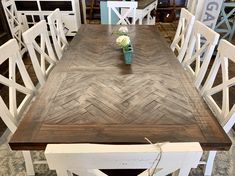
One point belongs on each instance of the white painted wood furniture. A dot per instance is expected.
(57, 32)
(128, 14)
(87, 159)
(195, 7)
(40, 50)
(199, 52)
(40, 9)
(226, 113)
(12, 114)
(143, 16)
(183, 32)
(15, 22)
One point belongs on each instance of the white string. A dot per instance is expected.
(158, 158)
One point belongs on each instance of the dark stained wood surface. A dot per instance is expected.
(91, 96)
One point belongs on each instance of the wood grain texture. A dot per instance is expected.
(91, 96)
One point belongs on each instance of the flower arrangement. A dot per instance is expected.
(124, 42)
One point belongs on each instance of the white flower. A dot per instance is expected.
(123, 29)
(123, 41)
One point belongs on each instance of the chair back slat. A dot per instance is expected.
(199, 53)
(183, 32)
(124, 10)
(9, 114)
(40, 50)
(15, 22)
(225, 56)
(225, 113)
(57, 32)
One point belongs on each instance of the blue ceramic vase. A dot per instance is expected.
(128, 54)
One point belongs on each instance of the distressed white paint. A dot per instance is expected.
(87, 159)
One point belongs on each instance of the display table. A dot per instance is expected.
(91, 96)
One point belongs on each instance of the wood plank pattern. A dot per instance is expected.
(92, 97)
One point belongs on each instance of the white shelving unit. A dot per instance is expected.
(33, 11)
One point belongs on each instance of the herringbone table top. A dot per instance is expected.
(92, 96)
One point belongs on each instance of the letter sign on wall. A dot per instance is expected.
(211, 11)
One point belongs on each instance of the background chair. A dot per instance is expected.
(40, 50)
(145, 16)
(87, 159)
(127, 12)
(11, 114)
(199, 53)
(225, 113)
(182, 35)
(226, 21)
(195, 7)
(15, 22)
(57, 32)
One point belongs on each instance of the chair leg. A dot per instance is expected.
(209, 163)
(28, 163)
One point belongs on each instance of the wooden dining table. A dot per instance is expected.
(91, 96)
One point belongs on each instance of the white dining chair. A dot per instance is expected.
(40, 50)
(15, 22)
(182, 35)
(57, 32)
(225, 113)
(145, 16)
(11, 114)
(87, 159)
(124, 10)
(201, 47)
(195, 7)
